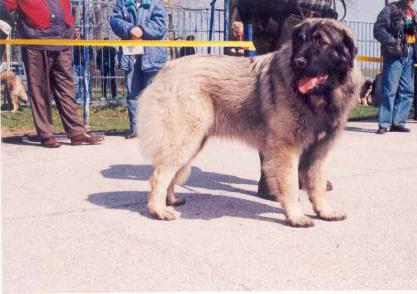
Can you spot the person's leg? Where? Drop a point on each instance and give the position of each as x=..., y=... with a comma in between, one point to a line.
x=142, y=80
x=135, y=85
x=415, y=94
x=405, y=92
x=113, y=83
x=78, y=76
x=62, y=85
x=148, y=77
x=2, y=49
x=391, y=73
x=37, y=70
x=105, y=82
x=75, y=75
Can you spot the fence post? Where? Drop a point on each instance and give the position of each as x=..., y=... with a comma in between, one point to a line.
x=86, y=79
x=226, y=19
x=248, y=35
x=213, y=5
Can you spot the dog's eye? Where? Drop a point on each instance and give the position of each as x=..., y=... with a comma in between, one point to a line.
x=301, y=36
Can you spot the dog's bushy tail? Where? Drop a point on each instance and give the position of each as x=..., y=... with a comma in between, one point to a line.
x=173, y=120
x=23, y=96
x=150, y=128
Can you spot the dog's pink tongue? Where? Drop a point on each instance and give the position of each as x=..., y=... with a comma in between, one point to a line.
x=306, y=84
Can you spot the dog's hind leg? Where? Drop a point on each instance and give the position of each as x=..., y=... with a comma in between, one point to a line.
x=160, y=180
x=180, y=178
x=170, y=169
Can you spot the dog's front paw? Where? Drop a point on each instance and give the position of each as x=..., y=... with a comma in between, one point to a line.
x=332, y=215
x=161, y=214
x=302, y=221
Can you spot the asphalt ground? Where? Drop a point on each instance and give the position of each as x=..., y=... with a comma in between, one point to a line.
x=74, y=219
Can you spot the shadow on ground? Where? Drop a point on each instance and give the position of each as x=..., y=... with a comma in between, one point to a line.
x=22, y=140
x=198, y=178
x=373, y=126
x=33, y=140
x=198, y=206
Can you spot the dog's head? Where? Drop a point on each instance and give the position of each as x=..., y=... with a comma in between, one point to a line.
x=323, y=53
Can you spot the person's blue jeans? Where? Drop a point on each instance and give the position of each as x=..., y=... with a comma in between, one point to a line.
x=397, y=90
x=78, y=71
x=137, y=80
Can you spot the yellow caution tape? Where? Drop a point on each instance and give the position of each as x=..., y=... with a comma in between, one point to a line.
x=369, y=59
x=148, y=43
x=144, y=43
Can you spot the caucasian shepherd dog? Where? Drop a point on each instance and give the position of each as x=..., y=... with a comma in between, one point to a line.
x=290, y=105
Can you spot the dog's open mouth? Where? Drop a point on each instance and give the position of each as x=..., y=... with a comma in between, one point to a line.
x=307, y=84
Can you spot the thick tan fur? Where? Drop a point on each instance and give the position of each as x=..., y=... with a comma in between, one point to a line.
x=15, y=88
x=249, y=99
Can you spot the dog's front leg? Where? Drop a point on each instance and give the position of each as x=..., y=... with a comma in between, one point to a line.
x=314, y=179
x=281, y=168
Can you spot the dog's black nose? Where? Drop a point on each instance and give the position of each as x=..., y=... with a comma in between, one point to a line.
x=300, y=62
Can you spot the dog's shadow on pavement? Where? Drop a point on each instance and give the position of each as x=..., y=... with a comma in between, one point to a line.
x=198, y=178
x=197, y=206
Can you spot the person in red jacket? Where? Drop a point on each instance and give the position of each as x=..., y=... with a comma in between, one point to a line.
x=49, y=70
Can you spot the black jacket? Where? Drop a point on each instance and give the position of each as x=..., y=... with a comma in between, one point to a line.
x=389, y=31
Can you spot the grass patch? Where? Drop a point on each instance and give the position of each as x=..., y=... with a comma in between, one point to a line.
x=361, y=112
x=102, y=119
x=107, y=119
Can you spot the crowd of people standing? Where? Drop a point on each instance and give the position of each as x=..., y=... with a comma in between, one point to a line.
x=54, y=71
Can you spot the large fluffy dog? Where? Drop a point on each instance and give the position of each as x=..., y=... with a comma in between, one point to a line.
x=15, y=88
x=290, y=104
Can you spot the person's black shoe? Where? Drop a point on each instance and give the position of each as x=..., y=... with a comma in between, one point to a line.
x=401, y=129
x=382, y=131
x=131, y=135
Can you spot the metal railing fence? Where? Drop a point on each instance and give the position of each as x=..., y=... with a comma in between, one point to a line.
x=367, y=46
x=107, y=80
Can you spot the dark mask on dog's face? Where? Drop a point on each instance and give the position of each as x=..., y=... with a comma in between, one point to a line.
x=321, y=58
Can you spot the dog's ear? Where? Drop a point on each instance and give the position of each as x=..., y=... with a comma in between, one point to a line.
x=350, y=50
x=298, y=31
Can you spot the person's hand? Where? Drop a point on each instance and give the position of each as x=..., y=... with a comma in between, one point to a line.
x=136, y=33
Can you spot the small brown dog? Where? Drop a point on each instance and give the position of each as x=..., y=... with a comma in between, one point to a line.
x=365, y=97
x=15, y=88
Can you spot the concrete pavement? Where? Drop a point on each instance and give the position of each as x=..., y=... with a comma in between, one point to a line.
x=74, y=220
